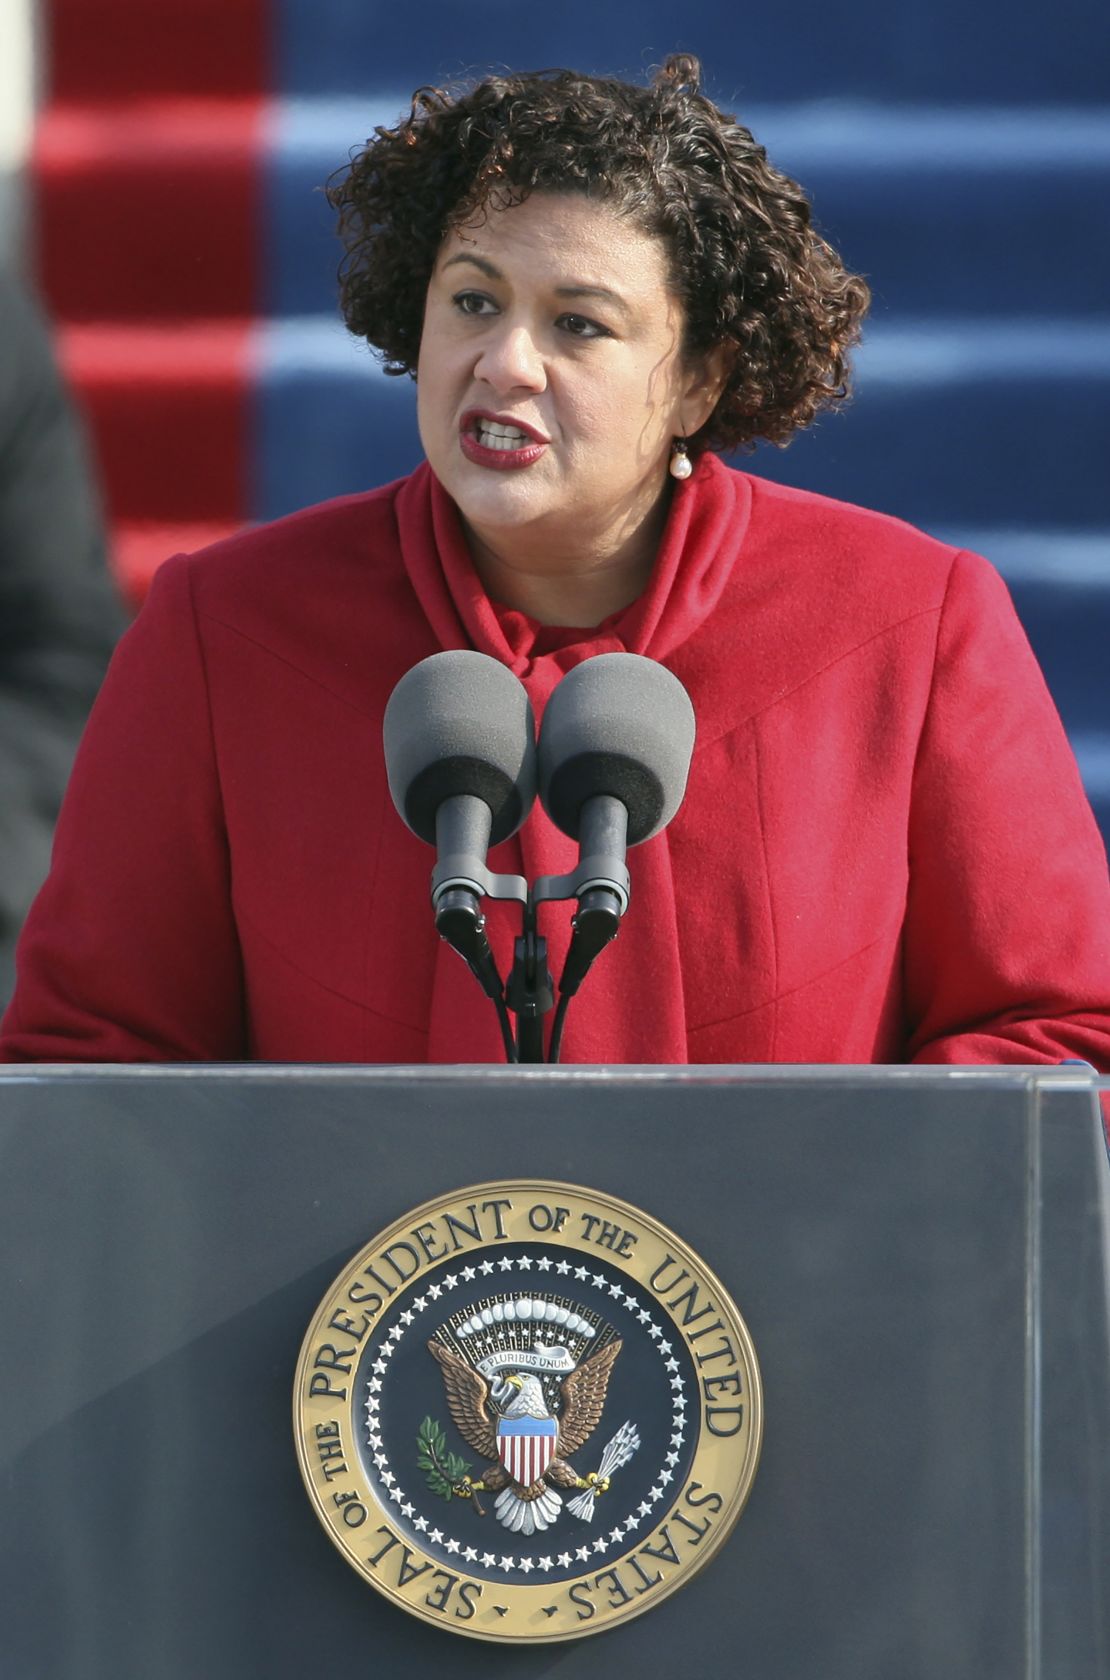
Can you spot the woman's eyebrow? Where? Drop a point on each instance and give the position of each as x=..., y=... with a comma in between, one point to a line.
x=601, y=292
x=487, y=268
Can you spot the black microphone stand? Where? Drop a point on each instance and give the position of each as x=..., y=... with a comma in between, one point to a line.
x=530, y=991
x=600, y=883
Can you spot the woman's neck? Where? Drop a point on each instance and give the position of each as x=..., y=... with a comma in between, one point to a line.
x=538, y=579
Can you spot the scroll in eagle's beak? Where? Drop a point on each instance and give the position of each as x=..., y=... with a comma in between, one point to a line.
x=503, y=1389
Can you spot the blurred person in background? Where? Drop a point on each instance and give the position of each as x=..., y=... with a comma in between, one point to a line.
x=884, y=853
x=59, y=613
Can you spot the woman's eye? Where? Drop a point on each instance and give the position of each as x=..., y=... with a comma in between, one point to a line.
x=579, y=326
x=474, y=303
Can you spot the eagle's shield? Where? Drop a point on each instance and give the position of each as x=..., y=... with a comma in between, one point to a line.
x=526, y=1447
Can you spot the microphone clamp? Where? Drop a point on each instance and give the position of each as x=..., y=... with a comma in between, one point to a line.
x=603, y=833
x=592, y=873
x=462, y=840
x=454, y=872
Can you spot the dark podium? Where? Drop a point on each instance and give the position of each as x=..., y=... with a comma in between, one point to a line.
x=921, y=1257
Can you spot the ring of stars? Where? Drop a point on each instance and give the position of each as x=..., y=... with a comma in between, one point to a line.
x=392, y=1490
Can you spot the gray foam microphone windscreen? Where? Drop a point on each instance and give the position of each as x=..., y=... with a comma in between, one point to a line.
x=460, y=722
x=618, y=724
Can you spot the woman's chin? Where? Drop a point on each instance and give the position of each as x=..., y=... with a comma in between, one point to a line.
x=505, y=500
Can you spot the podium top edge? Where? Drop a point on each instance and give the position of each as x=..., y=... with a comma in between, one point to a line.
x=1008, y=1076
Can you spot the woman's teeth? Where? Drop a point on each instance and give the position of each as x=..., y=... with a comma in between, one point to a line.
x=491, y=434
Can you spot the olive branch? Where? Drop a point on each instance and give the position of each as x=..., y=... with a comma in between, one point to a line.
x=446, y=1474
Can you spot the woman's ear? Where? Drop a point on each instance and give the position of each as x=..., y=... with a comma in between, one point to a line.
x=708, y=377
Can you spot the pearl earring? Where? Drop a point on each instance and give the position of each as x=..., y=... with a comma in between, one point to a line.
x=681, y=465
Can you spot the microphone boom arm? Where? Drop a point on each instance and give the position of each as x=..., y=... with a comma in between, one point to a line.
x=602, y=886
x=462, y=840
x=459, y=881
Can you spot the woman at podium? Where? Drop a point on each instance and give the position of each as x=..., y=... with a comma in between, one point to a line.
x=884, y=853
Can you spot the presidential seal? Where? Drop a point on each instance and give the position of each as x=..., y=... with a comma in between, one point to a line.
x=527, y=1411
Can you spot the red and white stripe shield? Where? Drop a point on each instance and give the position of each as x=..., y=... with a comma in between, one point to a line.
x=526, y=1447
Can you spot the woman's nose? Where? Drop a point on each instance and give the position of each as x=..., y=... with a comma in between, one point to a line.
x=512, y=360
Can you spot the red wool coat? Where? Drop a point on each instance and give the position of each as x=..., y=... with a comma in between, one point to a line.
x=884, y=854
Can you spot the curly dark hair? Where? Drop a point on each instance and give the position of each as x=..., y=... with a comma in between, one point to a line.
x=752, y=274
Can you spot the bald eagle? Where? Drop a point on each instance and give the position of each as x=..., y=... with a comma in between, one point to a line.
x=526, y=1509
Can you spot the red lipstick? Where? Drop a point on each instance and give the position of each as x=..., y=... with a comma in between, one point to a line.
x=479, y=422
